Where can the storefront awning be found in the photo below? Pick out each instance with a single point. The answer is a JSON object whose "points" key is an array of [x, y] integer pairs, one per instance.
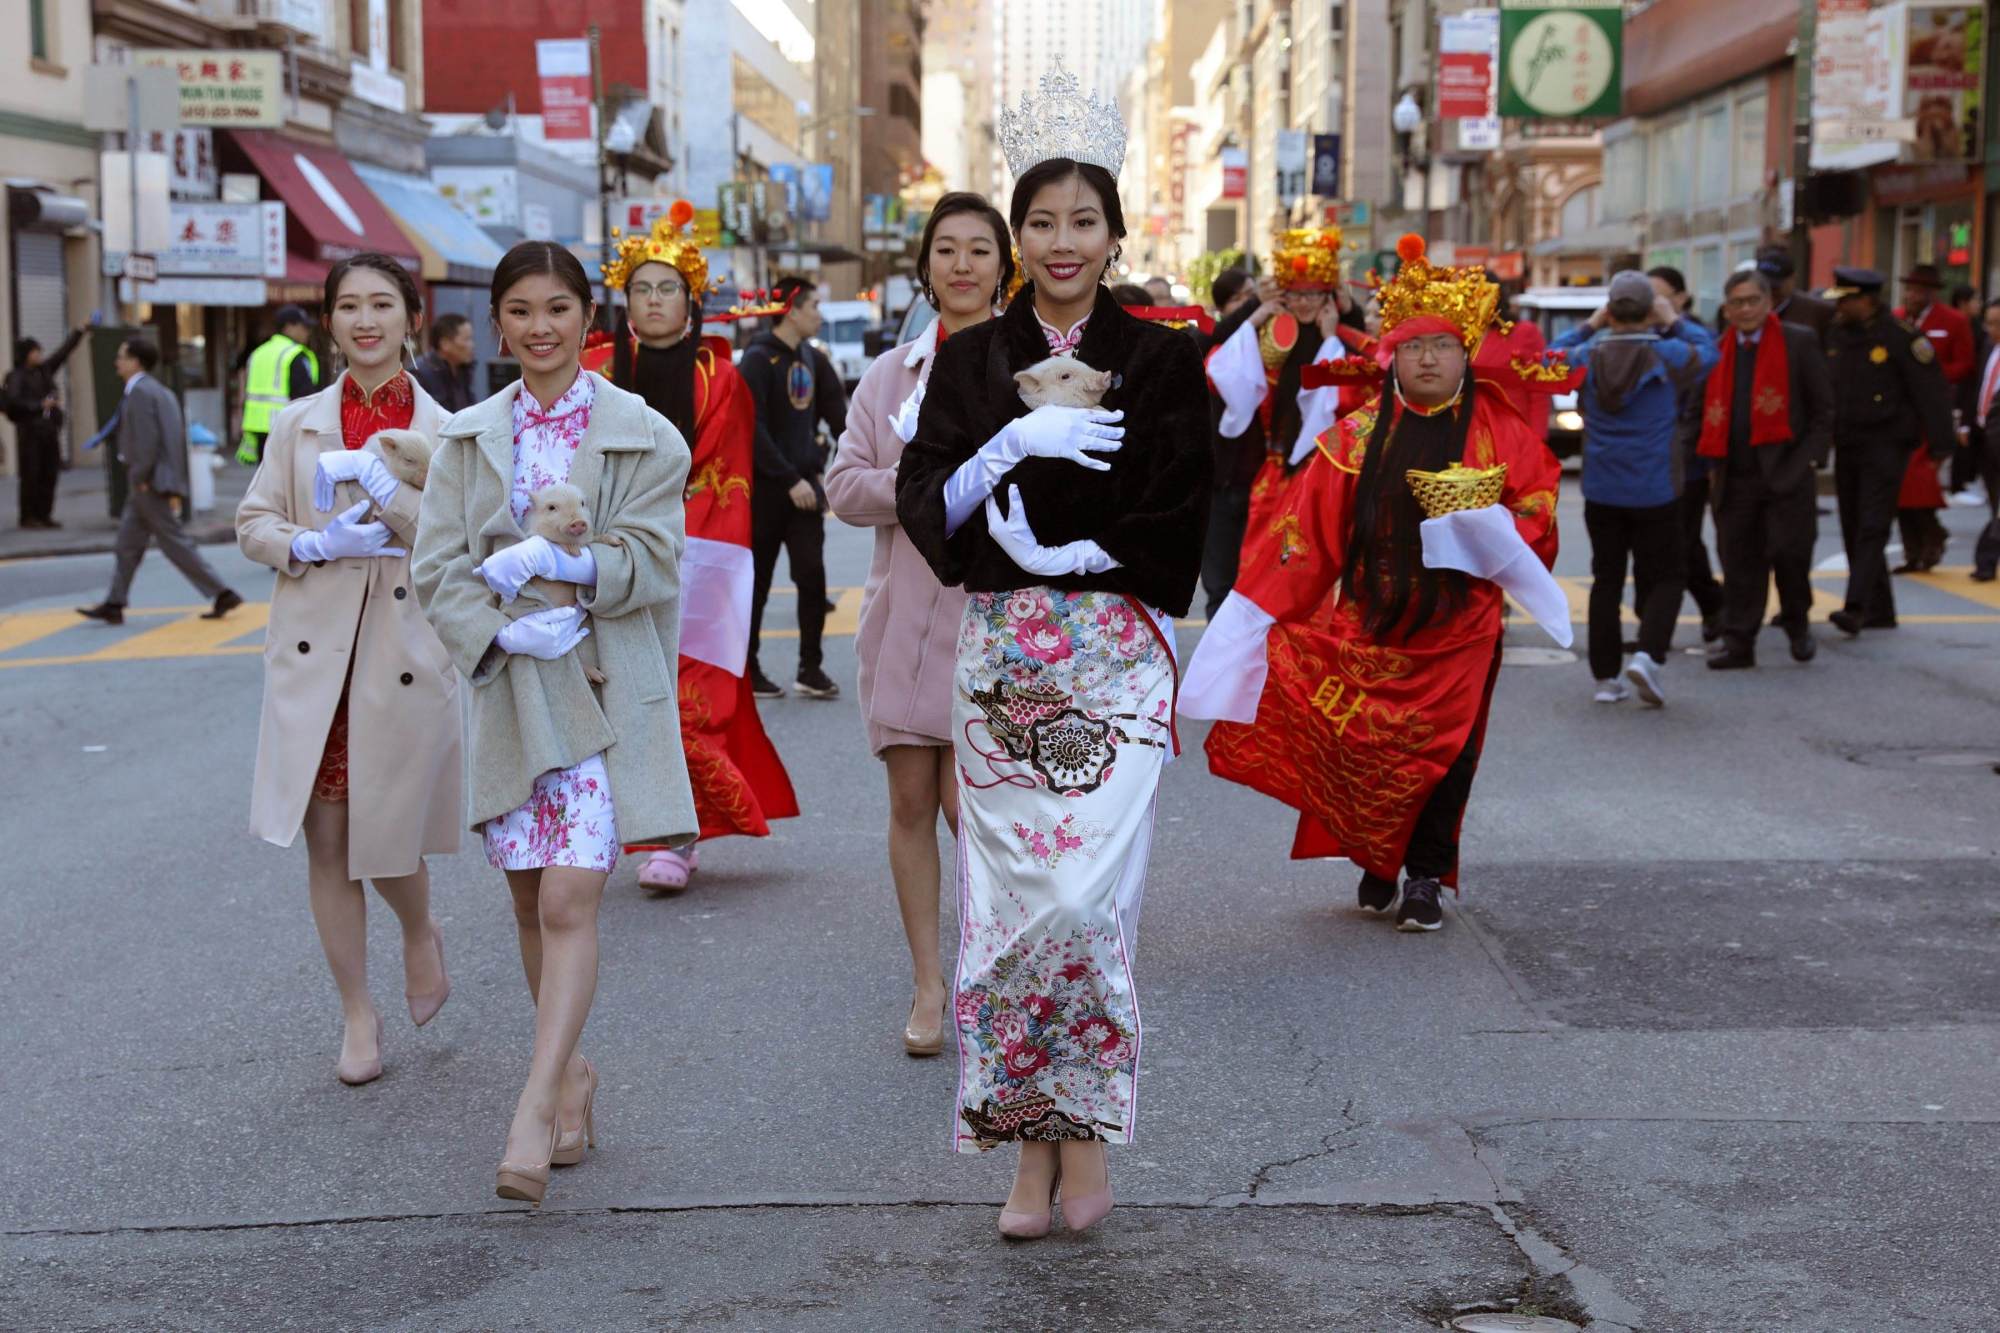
{"points": [[304, 282], [332, 215], [453, 247], [1606, 238]]}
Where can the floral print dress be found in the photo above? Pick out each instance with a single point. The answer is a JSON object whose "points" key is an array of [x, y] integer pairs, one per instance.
{"points": [[568, 818], [1062, 720]]}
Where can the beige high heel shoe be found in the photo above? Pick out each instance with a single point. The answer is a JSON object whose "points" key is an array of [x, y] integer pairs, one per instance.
{"points": [[570, 1148], [1035, 1225], [423, 1008], [528, 1181], [921, 1042], [357, 1074]]}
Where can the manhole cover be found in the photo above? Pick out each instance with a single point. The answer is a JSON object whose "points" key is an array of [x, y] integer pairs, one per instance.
{"points": [[1512, 1323], [1533, 656]]}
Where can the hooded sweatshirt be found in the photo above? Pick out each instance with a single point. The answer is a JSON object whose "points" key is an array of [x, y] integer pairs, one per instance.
{"points": [[793, 389], [1631, 408]]}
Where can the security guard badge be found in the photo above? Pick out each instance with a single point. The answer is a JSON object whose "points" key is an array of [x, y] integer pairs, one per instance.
{"points": [[1922, 350], [1878, 354]]}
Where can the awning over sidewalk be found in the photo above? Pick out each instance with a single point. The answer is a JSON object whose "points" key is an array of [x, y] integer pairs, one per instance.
{"points": [[330, 210], [1606, 238], [454, 247]]}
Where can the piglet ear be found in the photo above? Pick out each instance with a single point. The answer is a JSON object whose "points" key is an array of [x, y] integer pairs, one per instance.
{"points": [[1024, 378]]}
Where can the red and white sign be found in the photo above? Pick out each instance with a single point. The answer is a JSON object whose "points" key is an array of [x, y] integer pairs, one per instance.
{"points": [[563, 65], [1507, 266], [1235, 173]]}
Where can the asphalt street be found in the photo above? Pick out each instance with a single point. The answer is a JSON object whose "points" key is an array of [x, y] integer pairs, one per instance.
{"points": [[1710, 1044]]}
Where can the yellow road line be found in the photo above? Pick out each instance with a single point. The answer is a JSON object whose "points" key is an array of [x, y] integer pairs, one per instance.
{"points": [[1957, 580], [24, 627], [189, 636]]}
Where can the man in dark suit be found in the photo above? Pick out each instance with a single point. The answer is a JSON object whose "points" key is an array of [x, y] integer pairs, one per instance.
{"points": [[1767, 420], [152, 443], [446, 373], [1790, 305], [1889, 400]]}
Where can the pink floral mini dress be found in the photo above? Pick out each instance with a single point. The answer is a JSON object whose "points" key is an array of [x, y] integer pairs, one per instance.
{"points": [[568, 819]]}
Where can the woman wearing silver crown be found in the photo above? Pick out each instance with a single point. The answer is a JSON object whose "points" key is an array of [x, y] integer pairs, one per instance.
{"points": [[1077, 530]]}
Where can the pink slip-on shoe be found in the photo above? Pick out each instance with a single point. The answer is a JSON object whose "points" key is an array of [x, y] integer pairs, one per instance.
{"points": [[668, 872]]}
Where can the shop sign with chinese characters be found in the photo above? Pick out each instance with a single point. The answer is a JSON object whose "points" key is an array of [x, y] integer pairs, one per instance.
{"points": [[221, 240], [1561, 59], [239, 88]]}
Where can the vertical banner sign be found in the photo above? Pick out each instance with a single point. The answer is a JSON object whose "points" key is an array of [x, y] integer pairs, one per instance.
{"points": [[1469, 55], [1326, 165], [1561, 59], [1946, 46], [563, 66], [1235, 173], [1291, 166]]}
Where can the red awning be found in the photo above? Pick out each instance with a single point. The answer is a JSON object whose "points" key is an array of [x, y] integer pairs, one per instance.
{"points": [[331, 215]]}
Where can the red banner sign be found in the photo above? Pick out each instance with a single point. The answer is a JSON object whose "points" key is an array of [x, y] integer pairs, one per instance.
{"points": [[563, 66], [1465, 81]]}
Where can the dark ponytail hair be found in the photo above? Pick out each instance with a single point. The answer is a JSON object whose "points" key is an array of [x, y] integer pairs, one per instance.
{"points": [[529, 258], [965, 201], [1385, 573], [374, 262]]}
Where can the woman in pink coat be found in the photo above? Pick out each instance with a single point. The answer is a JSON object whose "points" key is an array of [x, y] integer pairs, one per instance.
{"points": [[908, 640]]}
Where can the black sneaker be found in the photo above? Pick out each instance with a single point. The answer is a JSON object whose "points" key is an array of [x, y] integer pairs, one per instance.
{"points": [[1375, 894], [1420, 910], [1804, 646], [111, 613], [762, 686], [816, 684]]}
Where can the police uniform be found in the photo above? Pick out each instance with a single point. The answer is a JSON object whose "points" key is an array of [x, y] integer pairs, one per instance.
{"points": [[1889, 396]]}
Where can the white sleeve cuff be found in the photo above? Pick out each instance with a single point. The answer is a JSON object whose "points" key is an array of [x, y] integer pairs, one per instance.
{"points": [[1225, 677], [1237, 372], [1486, 544]]}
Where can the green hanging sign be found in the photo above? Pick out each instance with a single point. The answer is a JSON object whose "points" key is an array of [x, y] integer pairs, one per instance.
{"points": [[1561, 59]]}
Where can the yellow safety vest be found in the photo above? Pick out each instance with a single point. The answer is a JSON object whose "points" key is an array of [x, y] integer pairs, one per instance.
{"points": [[267, 383]]}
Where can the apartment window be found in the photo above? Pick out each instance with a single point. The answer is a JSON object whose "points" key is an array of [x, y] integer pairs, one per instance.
{"points": [[1713, 165], [357, 27], [1670, 168], [38, 29], [1579, 211], [759, 99], [1625, 177], [1751, 113]]}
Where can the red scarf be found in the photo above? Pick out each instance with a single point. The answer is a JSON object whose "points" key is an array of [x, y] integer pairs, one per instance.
{"points": [[1770, 393]]}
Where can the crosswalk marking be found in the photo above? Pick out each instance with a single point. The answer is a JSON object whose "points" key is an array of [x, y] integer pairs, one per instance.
{"points": [[192, 636]]}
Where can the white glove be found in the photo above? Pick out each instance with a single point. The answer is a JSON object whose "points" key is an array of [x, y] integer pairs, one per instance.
{"points": [[508, 568], [544, 634], [1017, 539], [352, 465], [1074, 433], [347, 536]]}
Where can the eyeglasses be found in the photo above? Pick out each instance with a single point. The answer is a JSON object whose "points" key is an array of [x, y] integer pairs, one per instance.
{"points": [[666, 291], [1429, 349]]}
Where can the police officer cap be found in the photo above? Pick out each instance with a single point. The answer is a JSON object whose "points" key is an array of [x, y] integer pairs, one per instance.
{"points": [[1853, 282], [289, 315]]}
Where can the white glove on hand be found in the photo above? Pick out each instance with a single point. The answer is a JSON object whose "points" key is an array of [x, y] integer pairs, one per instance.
{"points": [[512, 566], [346, 537], [1014, 536], [1074, 433], [544, 634], [352, 465]]}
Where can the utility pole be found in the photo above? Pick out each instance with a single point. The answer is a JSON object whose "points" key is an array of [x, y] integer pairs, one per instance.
{"points": [[1802, 85]]}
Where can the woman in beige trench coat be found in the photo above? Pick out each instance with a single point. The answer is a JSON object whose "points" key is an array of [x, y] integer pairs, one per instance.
{"points": [[360, 741], [563, 769]]}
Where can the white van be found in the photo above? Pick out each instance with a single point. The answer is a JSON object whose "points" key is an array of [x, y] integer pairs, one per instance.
{"points": [[843, 330], [1557, 310]]}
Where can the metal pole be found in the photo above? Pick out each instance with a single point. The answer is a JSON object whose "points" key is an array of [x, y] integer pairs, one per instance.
{"points": [[1802, 82], [132, 183], [603, 190]]}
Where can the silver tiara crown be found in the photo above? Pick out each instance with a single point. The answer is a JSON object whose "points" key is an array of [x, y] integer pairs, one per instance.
{"points": [[1062, 122]]}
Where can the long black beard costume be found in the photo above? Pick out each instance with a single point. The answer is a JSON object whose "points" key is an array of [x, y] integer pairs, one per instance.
{"points": [[664, 377], [1385, 574]]}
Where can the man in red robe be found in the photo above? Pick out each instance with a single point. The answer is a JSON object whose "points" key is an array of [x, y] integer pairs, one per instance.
{"points": [[1354, 662]]}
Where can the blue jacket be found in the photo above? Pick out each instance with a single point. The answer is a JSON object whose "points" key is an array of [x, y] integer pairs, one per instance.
{"points": [[1631, 404]]}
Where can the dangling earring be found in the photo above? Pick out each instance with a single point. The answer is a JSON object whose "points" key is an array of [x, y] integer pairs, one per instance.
{"points": [[503, 346], [410, 350]]}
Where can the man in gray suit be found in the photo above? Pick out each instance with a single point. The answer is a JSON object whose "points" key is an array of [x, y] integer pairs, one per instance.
{"points": [[151, 442]]}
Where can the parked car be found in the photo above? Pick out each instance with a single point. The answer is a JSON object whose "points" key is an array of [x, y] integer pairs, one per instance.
{"points": [[843, 334], [1557, 310]]}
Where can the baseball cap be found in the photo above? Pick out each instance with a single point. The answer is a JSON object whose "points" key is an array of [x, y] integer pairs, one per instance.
{"points": [[1631, 285]]}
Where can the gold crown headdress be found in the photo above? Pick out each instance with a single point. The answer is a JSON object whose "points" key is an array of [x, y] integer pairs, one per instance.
{"points": [[1424, 298], [1062, 122], [1307, 258], [667, 243]]}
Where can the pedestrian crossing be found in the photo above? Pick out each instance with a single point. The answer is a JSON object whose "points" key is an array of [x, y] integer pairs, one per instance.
{"points": [[59, 637]]}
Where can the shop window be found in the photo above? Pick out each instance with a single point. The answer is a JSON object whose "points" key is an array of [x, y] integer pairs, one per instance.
{"points": [[1705, 281], [1751, 114], [1712, 170], [1579, 211], [38, 29], [1625, 177], [1670, 168]]}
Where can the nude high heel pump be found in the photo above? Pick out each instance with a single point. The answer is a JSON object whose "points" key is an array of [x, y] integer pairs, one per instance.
{"points": [[423, 1008], [356, 1074], [1035, 1225], [527, 1181], [1087, 1210], [570, 1147], [922, 1042]]}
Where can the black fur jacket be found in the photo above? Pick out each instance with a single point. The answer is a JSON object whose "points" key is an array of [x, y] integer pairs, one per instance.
{"points": [[1150, 511]]}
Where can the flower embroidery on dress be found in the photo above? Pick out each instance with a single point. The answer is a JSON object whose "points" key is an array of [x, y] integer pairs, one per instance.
{"points": [[1048, 843]]}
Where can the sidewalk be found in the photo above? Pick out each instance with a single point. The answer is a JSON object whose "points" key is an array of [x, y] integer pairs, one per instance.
{"points": [[82, 507]]}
